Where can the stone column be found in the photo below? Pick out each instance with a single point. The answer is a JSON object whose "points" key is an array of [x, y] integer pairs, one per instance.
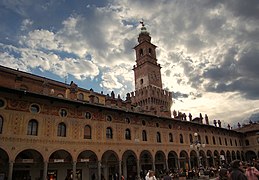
{"points": [[99, 170], [119, 169], [190, 163], [166, 164], [45, 170], [154, 166], [74, 170], [10, 172], [138, 168]]}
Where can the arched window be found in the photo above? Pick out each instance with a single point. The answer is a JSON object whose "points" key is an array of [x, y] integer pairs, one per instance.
{"points": [[144, 135], [150, 51], [87, 132], [214, 141], [62, 129], [141, 53], [109, 133], [81, 96], [181, 138], [171, 139], [96, 99], [158, 137], [220, 141], [226, 142], [191, 139], [230, 142], [206, 139], [127, 134], [247, 142], [235, 142], [1, 124], [32, 128]]}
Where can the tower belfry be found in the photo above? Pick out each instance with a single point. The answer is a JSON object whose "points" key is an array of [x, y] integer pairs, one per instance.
{"points": [[149, 93]]}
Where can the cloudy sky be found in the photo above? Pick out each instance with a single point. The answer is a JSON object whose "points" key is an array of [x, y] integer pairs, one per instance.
{"points": [[208, 49]]}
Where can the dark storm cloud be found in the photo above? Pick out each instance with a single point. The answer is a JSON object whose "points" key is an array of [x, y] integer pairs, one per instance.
{"points": [[236, 76], [245, 9]]}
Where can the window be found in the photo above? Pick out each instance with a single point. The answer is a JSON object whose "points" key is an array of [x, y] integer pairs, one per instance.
{"points": [[35, 108], [63, 112], [127, 120], [181, 138], [62, 129], [32, 128], [171, 139], [214, 141], [108, 118], [141, 82], [127, 134], [96, 99], [230, 142], [141, 52], [226, 142], [235, 142], [247, 142], [109, 133], [1, 124], [150, 51], [157, 124], [144, 135], [170, 126], [81, 96], [220, 141], [88, 115], [206, 139], [143, 122], [87, 132], [158, 137]]}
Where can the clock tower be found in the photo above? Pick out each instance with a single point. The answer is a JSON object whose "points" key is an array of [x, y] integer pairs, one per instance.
{"points": [[149, 94]]}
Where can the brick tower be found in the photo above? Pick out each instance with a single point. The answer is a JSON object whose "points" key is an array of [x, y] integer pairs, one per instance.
{"points": [[149, 93]]}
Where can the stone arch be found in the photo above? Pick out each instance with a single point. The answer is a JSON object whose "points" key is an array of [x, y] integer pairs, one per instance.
{"points": [[250, 155], [203, 158], [193, 159], [28, 164], [217, 158], [146, 161], [129, 164], [87, 161], [183, 160], [172, 160], [228, 157], [110, 164], [160, 165], [210, 159], [222, 156]]}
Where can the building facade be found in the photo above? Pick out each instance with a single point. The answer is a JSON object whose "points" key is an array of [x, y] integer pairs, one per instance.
{"points": [[53, 130]]}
